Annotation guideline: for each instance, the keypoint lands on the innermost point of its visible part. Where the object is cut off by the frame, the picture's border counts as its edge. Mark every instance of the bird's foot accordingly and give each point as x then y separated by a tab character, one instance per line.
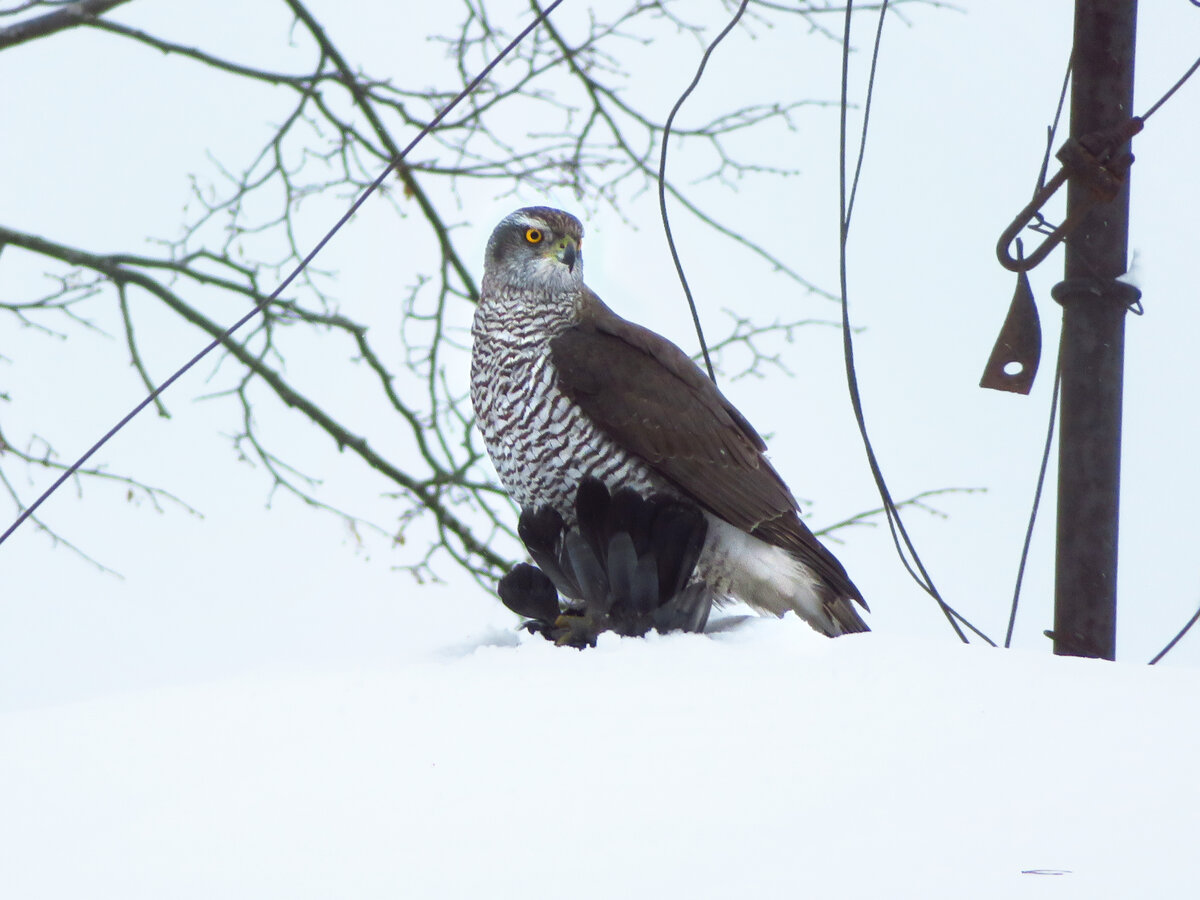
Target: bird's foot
577	631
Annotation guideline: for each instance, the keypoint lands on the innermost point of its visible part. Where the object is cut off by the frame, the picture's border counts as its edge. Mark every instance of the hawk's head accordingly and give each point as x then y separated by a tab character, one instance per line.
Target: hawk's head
536	247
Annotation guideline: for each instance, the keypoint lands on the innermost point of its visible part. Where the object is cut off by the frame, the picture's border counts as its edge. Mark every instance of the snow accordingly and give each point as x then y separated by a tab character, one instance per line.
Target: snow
258	712
765	761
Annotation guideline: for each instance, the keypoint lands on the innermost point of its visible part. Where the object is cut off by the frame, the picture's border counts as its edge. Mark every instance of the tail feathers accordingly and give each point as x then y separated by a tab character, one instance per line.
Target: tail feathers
844	617
773	580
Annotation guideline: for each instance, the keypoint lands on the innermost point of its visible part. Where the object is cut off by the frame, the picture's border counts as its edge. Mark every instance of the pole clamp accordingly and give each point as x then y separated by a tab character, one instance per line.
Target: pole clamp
1093	160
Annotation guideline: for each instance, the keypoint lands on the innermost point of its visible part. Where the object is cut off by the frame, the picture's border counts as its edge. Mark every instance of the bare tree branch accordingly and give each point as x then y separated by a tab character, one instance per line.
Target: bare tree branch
424	492
83	12
334	127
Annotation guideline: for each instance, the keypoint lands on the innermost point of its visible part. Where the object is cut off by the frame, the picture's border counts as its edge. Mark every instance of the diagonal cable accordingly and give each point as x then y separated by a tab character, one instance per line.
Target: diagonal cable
218	341
1050	428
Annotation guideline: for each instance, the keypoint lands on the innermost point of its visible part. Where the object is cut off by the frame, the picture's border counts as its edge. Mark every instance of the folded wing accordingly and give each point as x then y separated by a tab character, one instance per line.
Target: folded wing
652	399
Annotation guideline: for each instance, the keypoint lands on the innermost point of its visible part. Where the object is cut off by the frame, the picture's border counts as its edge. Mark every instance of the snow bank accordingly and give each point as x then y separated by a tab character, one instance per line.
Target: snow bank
764	762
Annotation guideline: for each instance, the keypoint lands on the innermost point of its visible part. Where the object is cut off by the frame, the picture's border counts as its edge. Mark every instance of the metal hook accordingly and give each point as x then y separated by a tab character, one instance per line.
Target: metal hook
1090	159
1025	263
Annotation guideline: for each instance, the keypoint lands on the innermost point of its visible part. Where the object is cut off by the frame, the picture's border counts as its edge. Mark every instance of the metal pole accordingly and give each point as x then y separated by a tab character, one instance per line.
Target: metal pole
1093	342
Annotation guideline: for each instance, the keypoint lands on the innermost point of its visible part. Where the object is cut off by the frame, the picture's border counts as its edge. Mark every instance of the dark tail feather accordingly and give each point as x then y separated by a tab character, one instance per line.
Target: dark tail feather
841	610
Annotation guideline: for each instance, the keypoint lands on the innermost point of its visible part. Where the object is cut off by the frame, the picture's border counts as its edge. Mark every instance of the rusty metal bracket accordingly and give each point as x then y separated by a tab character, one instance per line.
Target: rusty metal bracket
1018	350
1093	161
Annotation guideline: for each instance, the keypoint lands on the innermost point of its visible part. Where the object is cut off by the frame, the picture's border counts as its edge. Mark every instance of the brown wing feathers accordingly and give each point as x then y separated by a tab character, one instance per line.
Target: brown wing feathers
648	395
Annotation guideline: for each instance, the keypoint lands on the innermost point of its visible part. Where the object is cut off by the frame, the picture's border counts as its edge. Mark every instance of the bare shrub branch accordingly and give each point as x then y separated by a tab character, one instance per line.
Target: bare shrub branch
338	127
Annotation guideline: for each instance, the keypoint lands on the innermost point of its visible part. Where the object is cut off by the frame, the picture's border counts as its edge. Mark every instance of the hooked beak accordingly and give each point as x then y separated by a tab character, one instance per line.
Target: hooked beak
569	255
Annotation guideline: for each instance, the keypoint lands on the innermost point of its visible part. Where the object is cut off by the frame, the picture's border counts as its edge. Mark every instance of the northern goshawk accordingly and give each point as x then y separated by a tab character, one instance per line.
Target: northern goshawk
564	388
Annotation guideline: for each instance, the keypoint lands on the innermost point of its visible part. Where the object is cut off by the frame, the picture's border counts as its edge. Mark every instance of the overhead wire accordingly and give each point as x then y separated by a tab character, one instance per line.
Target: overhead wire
1058	373
1178	637
1147	114
68	472
662	183
1176	86
1051	130
1037	500
900	537
862	142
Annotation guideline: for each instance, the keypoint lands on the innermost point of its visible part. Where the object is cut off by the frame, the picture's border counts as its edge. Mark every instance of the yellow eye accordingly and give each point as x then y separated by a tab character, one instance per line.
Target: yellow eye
533	235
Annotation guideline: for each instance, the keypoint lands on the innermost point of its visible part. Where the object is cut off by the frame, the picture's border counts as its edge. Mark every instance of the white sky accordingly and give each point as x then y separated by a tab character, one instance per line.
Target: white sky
98	141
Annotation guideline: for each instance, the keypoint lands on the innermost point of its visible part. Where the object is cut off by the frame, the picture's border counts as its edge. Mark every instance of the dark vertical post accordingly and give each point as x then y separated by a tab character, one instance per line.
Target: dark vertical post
1093	342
